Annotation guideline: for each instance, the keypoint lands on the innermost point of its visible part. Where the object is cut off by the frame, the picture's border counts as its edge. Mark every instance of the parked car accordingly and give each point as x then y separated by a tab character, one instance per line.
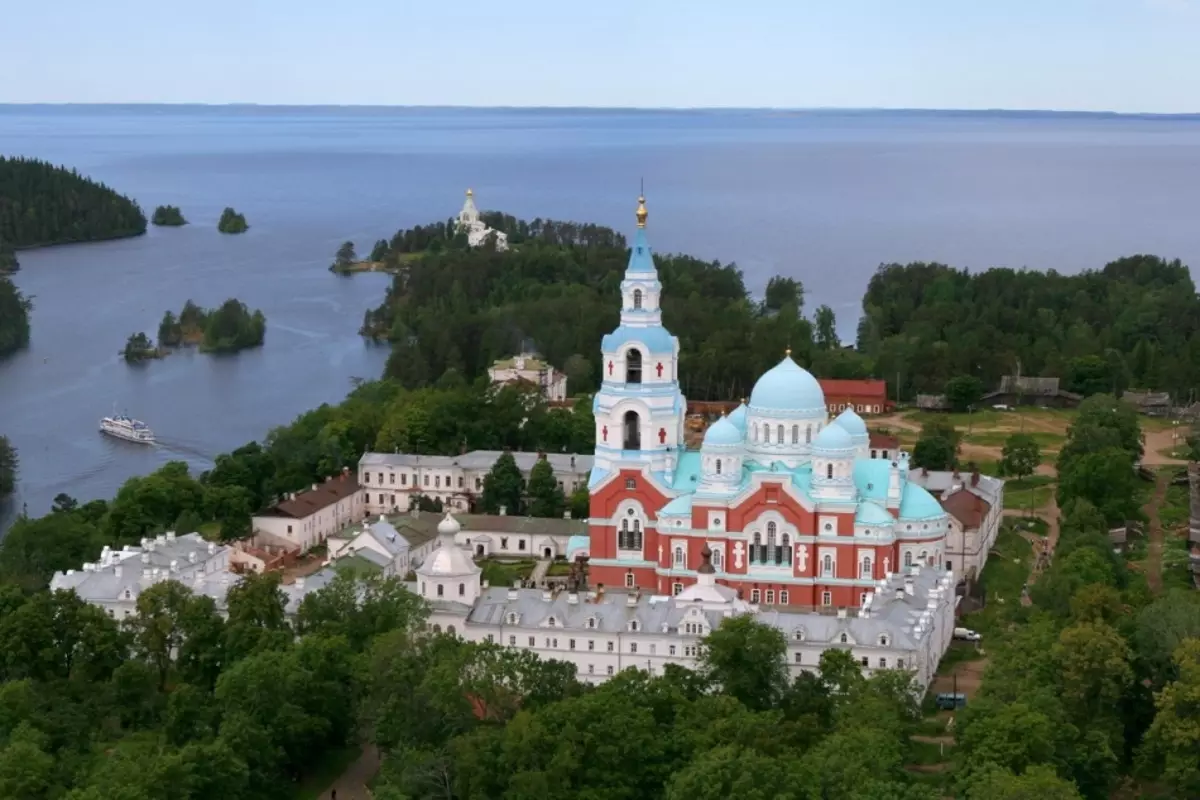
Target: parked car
967	635
947	701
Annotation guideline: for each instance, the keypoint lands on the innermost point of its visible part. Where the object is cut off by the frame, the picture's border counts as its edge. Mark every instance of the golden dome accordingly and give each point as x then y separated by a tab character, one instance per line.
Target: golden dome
641	212
469	193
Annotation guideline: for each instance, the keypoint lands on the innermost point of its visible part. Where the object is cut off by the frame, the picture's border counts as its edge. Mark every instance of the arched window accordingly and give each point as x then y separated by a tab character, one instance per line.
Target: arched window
437	628
756	548
440	590
716	559
633	366
829	471
637	298
866	567
462	589
771	529
779	434
623	536
908	559
636	539
718	466
924	557
422	588
679	562
786	547
843	639
766	434
633	431
795	434
755	429
450	629
827	565
808	434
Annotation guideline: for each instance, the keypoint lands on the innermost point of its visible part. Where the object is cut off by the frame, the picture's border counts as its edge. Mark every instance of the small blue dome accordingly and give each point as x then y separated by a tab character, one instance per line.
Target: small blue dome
787	387
833	437
738	418
869	513
852	423
723	433
916	503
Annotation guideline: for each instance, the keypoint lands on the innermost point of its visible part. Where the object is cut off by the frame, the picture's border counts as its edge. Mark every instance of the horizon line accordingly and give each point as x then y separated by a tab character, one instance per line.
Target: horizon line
605	108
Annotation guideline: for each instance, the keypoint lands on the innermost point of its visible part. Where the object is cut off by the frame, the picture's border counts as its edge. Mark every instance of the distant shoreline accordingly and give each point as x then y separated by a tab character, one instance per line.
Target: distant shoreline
685	110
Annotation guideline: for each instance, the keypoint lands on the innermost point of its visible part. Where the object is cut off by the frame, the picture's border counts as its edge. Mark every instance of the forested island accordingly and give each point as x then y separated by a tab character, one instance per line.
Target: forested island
139	348
226	329
14	317
232	222
45	205
168	215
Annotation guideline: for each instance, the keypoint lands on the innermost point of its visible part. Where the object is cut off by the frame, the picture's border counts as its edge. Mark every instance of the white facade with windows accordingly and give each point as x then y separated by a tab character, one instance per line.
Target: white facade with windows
389	481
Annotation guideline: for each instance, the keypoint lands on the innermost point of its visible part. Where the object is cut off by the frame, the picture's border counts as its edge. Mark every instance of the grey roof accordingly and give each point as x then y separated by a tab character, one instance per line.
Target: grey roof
899	609
388	537
163	557
480	460
939	482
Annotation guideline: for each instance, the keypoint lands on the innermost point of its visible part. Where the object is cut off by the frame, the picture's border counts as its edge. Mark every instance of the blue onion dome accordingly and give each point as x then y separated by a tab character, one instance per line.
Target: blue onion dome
723	433
916	503
832	439
851	423
869	513
738	417
788	387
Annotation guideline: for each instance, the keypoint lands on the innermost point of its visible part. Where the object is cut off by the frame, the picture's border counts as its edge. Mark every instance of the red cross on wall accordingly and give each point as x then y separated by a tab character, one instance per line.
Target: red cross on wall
604	432
662	435
659	368
610	366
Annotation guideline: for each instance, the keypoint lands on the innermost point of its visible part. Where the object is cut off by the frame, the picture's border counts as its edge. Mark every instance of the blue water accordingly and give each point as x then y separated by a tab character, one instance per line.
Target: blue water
822	196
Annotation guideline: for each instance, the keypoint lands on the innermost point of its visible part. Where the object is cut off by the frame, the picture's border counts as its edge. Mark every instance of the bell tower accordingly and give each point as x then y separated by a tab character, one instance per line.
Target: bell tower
639	409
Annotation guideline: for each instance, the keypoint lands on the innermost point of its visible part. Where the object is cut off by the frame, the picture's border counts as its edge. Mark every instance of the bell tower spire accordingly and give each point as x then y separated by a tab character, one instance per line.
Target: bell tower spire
639	409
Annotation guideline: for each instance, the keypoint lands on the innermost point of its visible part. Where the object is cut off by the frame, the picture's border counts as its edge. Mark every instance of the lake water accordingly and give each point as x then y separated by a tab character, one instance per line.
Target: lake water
822	196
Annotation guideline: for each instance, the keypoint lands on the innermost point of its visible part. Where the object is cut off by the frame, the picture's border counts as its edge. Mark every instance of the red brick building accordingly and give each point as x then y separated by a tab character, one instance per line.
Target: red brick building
867	396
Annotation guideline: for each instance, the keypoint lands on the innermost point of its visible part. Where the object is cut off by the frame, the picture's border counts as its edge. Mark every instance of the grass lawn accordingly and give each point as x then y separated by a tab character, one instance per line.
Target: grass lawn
957	653
559	568
1008	421
1174	511
325	771
505	573
1033	491
998	438
1180	452
1007	566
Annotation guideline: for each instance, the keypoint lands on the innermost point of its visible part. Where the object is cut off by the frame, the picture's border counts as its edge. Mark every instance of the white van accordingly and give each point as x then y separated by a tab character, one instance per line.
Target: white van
967	635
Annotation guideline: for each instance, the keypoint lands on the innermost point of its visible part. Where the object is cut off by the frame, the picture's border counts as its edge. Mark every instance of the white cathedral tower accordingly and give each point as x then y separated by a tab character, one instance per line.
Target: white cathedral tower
639	408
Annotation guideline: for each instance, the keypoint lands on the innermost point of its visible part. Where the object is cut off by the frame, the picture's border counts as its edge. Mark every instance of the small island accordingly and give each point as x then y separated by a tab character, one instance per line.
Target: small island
232	222
139	348
45	205
227	329
168	215
14	318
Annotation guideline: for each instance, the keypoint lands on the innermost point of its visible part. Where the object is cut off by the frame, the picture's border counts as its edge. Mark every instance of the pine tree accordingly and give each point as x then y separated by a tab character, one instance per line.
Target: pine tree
8	467
503	486
545	495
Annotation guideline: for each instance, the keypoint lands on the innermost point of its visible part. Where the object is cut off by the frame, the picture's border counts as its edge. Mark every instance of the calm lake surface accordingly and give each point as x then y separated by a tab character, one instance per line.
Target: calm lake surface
822	196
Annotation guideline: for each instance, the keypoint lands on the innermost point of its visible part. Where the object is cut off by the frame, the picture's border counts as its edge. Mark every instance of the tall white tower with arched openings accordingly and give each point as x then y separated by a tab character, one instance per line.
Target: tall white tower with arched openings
639	409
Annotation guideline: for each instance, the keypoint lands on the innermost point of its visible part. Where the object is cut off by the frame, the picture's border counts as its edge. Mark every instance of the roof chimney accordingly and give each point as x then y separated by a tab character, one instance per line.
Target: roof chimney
572	599
899	593
566	515
117	570
546	596
631	599
841	612
975	478
908	586
299	584
315	487
382	518
512	591
503	511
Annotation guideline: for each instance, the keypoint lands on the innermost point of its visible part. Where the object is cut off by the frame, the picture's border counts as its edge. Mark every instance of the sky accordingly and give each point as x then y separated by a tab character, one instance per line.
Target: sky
1079	55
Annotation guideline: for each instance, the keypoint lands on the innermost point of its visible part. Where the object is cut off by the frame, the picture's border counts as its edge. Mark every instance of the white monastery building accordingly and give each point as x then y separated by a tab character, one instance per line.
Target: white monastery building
477	231
533	370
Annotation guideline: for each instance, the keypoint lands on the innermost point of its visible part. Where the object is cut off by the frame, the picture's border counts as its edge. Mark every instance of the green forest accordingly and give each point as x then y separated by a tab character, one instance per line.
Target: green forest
41	204
227	329
232	222
139	348
1135	323
14	317
168	215
556	289
8	258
